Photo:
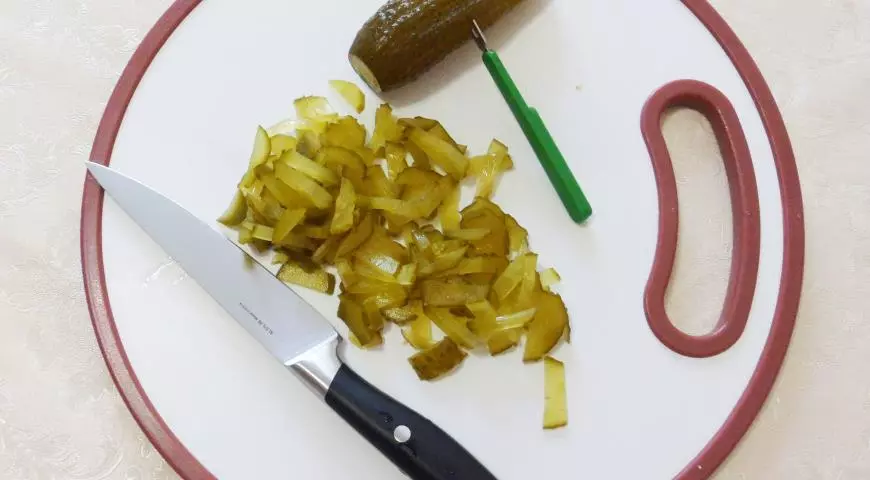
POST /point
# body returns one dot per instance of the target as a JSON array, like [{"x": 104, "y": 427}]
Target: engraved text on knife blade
[{"x": 265, "y": 326}]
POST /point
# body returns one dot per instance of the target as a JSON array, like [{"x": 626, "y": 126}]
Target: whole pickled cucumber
[{"x": 405, "y": 38}]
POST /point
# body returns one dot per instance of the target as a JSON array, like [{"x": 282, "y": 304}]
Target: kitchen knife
[{"x": 292, "y": 331}]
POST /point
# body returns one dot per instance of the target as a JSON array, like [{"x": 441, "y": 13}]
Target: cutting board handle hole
[
  {"x": 694, "y": 297},
  {"x": 703, "y": 185}
]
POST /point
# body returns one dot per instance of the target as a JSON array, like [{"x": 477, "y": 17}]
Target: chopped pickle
[
  {"x": 549, "y": 278},
  {"x": 265, "y": 168},
  {"x": 348, "y": 161},
  {"x": 525, "y": 296},
  {"x": 262, "y": 148},
  {"x": 373, "y": 272},
  {"x": 308, "y": 275},
  {"x": 397, "y": 159},
  {"x": 498, "y": 148},
  {"x": 421, "y": 160},
  {"x": 485, "y": 319},
  {"x": 350, "y": 93},
  {"x": 319, "y": 232},
  {"x": 439, "y": 131},
  {"x": 510, "y": 278},
  {"x": 417, "y": 177},
  {"x": 315, "y": 111},
  {"x": 285, "y": 195},
  {"x": 299, "y": 242},
  {"x": 482, "y": 207},
  {"x": 378, "y": 185},
  {"x": 545, "y": 330},
  {"x": 518, "y": 237},
  {"x": 372, "y": 309},
  {"x": 401, "y": 315},
  {"x": 368, "y": 155},
  {"x": 448, "y": 213},
  {"x": 441, "y": 153},
  {"x": 514, "y": 320},
  {"x": 418, "y": 122},
  {"x": 407, "y": 253},
  {"x": 407, "y": 275},
  {"x": 488, "y": 324},
  {"x": 387, "y": 128},
  {"x": 443, "y": 262},
  {"x": 484, "y": 214},
  {"x": 264, "y": 209},
  {"x": 377, "y": 340},
  {"x": 356, "y": 237},
  {"x": 382, "y": 248},
  {"x": 308, "y": 143},
  {"x": 353, "y": 316},
  {"x": 419, "y": 180},
  {"x": 246, "y": 234},
  {"x": 286, "y": 127},
  {"x": 469, "y": 234},
  {"x": 305, "y": 186},
  {"x": 383, "y": 252},
  {"x": 345, "y": 272},
  {"x": 288, "y": 221},
  {"x": 482, "y": 278},
  {"x": 380, "y": 294},
  {"x": 346, "y": 132},
  {"x": 259, "y": 246},
  {"x": 326, "y": 251},
  {"x": 485, "y": 168},
  {"x": 503, "y": 341},
  {"x": 485, "y": 264},
  {"x": 453, "y": 326},
  {"x": 280, "y": 257},
  {"x": 282, "y": 143},
  {"x": 262, "y": 232},
  {"x": 394, "y": 206},
  {"x": 418, "y": 331},
  {"x": 437, "y": 361},
  {"x": 236, "y": 212},
  {"x": 440, "y": 293},
  {"x": 389, "y": 298},
  {"x": 312, "y": 107},
  {"x": 345, "y": 202},
  {"x": 297, "y": 161},
  {"x": 427, "y": 199},
  {"x": 555, "y": 394},
  {"x": 489, "y": 167},
  {"x": 414, "y": 236},
  {"x": 441, "y": 246}
]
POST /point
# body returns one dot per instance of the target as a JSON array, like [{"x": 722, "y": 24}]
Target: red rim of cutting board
[{"x": 701, "y": 467}]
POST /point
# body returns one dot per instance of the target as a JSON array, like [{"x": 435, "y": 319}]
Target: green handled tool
[{"x": 533, "y": 127}]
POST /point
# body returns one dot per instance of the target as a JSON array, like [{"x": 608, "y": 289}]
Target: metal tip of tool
[{"x": 477, "y": 35}]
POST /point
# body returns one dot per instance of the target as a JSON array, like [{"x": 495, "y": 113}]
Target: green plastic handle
[{"x": 542, "y": 142}]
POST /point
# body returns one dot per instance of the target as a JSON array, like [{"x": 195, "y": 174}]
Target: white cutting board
[{"x": 216, "y": 404}]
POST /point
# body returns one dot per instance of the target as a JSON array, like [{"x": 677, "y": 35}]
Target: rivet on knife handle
[{"x": 536, "y": 132}]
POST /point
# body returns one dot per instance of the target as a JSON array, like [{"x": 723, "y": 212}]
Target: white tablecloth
[{"x": 60, "y": 415}]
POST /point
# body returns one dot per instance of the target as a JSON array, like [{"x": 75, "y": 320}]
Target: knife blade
[{"x": 292, "y": 331}]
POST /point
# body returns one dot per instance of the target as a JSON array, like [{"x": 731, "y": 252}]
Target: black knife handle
[{"x": 429, "y": 453}]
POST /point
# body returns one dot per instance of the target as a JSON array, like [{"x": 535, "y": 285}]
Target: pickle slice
[
  {"x": 438, "y": 360},
  {"x": 555, "y": 395},
  {"x": 351, "y": 94}
]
